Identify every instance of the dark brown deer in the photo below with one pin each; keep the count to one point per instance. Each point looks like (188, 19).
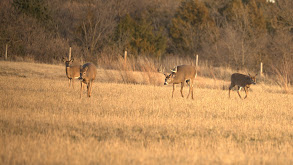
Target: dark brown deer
(72, 71)
(182, 74)
(88, 74)
(242, 81)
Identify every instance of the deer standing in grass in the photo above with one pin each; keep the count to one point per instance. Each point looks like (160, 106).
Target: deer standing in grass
(182, 74)
(88, 74)
(242, 81)
(72, 71)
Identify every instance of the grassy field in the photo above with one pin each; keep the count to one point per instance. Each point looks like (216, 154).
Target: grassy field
(43, 121)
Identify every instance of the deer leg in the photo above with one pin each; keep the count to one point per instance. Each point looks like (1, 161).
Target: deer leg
(80, 88)
(69, 82)
(231, 86)
(173, 90)
(91, 87)
(88, 89)
(246, 92)
(239, 88)
(190, 89)
(181, 90)
(72, 83)
(191, 86)
(91, 84)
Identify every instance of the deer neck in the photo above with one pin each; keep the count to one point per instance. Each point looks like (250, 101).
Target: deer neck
(67, 69)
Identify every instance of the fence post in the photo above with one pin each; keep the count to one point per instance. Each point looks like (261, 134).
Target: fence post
(261, 69)
(69, 55)
(196, 62)
(125, 57)
(6, 50)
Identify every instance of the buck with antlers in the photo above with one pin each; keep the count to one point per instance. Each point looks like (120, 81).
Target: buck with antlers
(182, 74)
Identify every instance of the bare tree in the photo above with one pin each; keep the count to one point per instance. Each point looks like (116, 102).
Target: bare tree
(96, 26)
(280, 50)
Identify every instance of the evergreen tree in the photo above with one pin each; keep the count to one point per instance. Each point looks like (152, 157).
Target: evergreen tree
(191, 27)
(139, 37)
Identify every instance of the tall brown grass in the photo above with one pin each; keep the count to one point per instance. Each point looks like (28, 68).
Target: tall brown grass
(210, 76)
(43, 121)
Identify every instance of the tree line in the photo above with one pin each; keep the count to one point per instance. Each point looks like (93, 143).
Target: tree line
(232, 33)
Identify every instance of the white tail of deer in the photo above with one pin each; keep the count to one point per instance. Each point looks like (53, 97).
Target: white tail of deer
(182, 74)
(242, 81)
(88, 74)
(72, 71)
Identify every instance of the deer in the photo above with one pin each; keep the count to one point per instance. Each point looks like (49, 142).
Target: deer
(182, 74)
(88, 74)
(242, 81)
(72, 71)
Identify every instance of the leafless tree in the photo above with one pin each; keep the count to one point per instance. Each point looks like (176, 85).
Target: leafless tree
(97, 24)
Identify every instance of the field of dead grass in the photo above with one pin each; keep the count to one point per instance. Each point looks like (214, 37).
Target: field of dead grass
(42, 121)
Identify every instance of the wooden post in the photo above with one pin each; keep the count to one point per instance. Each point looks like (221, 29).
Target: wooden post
(6, 50)
(69, 55)
(125, 57)
(261, 69)
(196, 62)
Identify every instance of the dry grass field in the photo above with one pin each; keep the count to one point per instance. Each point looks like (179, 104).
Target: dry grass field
(43, 121)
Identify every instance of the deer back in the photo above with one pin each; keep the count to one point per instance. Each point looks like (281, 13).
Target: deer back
(184, 72)
(241, 80)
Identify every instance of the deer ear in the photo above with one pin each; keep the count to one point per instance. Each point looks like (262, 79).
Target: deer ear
(72, 60)
(256, 74)
(174, 70)
(63, 59)
(86, 68)
(249, 75)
